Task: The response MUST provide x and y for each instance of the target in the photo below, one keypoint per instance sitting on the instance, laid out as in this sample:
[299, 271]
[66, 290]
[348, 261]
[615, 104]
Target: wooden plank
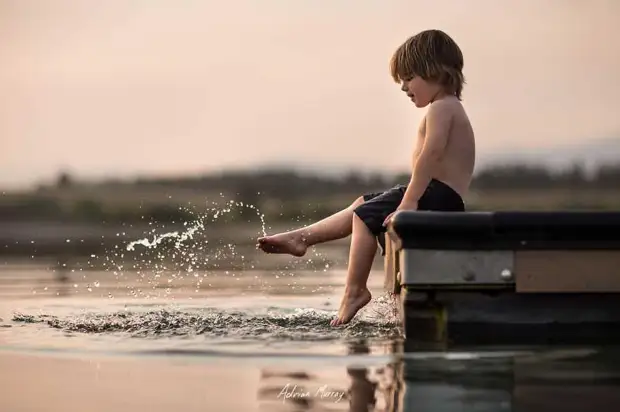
[567, 271]
[392, 267]
[389, 265]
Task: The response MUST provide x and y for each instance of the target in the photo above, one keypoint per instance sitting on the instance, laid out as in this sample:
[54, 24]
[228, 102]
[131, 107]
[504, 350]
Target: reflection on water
[362, 391]
[484, 381]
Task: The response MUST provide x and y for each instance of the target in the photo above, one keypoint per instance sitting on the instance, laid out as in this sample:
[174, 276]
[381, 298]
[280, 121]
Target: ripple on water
[273, 324]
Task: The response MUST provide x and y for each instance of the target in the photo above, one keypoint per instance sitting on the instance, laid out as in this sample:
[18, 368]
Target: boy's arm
[438, 122]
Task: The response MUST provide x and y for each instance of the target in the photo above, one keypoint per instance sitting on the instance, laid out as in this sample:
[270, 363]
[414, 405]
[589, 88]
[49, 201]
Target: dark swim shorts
[438, 196]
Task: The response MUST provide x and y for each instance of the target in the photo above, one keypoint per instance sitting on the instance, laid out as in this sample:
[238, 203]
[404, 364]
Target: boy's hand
[402, 206]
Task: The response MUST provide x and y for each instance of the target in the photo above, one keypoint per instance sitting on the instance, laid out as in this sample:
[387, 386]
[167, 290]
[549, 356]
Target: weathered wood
[391, 267]
[567, 271]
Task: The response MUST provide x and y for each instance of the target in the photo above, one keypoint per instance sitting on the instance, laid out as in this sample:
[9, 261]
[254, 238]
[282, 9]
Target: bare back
[456, 166]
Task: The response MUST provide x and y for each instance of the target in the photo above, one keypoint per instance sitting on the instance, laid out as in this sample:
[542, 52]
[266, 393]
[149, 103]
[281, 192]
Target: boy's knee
[357, 202]
[365, 220]
[361, 211]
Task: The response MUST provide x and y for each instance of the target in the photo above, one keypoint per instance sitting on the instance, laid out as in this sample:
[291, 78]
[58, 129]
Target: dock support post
[422, 314]
[391, 267]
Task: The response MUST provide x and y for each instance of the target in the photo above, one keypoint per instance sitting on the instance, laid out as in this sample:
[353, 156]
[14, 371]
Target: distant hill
[589, 154]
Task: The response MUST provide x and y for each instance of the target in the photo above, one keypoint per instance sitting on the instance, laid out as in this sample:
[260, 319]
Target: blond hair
[432, 55]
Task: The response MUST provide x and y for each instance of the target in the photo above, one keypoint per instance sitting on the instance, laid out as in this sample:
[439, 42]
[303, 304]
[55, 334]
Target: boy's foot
[352, 302]
[291, 243]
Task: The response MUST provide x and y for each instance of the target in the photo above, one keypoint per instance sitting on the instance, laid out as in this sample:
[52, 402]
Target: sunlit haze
[173, 87]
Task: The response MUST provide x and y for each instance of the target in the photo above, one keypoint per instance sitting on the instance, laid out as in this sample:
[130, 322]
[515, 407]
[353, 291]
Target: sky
[173, 87]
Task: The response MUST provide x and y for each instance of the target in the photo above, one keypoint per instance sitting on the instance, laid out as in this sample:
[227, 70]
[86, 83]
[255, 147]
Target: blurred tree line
[605, 177]
[288, 184]
[292, 192]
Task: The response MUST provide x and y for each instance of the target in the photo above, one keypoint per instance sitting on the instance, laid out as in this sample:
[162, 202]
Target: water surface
[258, 340]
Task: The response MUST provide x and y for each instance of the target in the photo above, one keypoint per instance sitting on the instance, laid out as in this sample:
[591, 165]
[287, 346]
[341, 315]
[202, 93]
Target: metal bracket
[424, 268]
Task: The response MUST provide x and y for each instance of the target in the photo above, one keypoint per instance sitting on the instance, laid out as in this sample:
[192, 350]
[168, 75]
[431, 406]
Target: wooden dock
[506, 276]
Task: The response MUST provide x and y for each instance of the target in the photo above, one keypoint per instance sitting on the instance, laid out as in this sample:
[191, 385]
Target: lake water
[258, 340]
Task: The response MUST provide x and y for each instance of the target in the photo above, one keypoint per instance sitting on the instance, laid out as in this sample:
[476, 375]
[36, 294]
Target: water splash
[198, 225]
[189, 256]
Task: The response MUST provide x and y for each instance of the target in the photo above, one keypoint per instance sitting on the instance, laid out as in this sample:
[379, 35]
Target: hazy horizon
[134, 88]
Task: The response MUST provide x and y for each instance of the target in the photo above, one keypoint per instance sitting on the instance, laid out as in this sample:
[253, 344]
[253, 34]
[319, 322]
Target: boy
[429, 67]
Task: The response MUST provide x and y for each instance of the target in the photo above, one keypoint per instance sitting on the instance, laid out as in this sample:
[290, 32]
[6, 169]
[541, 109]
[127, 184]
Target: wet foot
[291, 243]
[352, 301]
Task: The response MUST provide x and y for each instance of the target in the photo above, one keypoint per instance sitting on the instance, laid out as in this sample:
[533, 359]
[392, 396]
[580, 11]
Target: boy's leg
[296, 242]
[361, 256]
[367, 225]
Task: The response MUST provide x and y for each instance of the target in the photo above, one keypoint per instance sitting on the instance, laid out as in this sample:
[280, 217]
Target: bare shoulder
[444, 108]
[449, 111]
[441, 114]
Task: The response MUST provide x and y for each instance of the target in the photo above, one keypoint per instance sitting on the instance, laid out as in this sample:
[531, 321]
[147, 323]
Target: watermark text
[290, 392]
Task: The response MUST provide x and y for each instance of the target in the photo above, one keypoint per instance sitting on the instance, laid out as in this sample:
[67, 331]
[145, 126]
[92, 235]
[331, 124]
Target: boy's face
[420, 91]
